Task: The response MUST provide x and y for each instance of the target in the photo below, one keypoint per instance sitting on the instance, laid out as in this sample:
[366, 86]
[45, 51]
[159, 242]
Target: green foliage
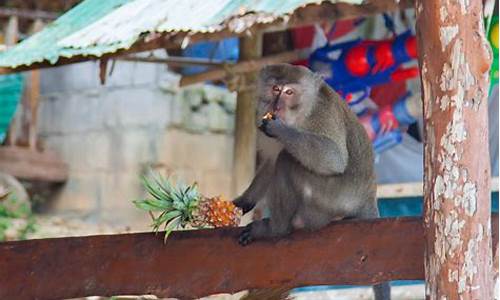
[174, 204]
[11, 210]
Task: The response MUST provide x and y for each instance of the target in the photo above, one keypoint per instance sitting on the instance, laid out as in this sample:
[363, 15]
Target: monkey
[317, 162]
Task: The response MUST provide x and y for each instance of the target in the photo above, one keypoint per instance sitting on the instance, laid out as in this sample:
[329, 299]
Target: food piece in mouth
[268, 116]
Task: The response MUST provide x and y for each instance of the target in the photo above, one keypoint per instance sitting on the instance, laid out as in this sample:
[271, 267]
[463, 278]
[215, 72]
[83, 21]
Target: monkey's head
[287, 91]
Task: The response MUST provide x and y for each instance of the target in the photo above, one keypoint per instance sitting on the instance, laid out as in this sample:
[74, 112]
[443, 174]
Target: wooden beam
[245, 66]
[6, 12]
[194, 264]
[454, 60]
[245, 133]
[27, 164]
[177, 61]
[303, 16]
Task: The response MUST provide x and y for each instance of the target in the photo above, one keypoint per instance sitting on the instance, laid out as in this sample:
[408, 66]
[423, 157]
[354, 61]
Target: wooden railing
[199, 263]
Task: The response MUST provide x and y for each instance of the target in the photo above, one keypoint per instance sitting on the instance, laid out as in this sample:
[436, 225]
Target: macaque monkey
[317, 160]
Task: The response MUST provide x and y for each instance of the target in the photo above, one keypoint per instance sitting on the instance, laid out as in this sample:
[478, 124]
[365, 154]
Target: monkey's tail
[382, 291]
[268, 294]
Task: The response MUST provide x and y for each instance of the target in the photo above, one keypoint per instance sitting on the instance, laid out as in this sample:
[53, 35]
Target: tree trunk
[454, 59]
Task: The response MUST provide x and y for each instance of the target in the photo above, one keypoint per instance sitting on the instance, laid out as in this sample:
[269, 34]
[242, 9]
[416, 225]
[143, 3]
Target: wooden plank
[454, 60]
[25, 163]
[413, 189]
[198, 263]
[303, 16]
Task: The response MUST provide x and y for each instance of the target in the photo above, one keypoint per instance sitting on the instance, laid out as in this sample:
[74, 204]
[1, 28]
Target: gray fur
[317, 164]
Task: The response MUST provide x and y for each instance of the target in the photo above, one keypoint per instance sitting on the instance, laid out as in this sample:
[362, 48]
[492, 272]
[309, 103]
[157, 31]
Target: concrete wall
[110, 134]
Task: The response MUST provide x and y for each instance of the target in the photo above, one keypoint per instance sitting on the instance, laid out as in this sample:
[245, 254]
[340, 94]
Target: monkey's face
[282, 100]
[287, 92]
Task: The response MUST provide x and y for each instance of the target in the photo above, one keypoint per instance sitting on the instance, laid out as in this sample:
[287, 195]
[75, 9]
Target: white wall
[109, 134]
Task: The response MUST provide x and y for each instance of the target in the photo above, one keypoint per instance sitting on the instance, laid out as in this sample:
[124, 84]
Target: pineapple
[181, 206]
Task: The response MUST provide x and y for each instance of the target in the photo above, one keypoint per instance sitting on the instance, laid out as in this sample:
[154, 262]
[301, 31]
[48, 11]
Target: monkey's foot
[246, 237]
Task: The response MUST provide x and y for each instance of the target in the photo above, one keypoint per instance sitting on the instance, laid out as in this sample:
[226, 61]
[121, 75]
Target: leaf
[164, 186]
[170, 227]
[151, 189]
[152, 204]
[166, 217]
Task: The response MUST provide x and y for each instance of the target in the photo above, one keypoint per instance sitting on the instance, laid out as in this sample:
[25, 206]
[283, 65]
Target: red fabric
[387, 119]
[303, 36]
[404, 74]
[388, 93]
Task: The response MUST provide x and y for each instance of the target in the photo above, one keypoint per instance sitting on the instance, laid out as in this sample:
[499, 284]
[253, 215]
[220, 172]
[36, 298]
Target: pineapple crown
[176, 204]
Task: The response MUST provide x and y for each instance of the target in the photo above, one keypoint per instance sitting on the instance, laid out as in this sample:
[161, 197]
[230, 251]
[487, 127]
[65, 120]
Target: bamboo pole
[454, 59]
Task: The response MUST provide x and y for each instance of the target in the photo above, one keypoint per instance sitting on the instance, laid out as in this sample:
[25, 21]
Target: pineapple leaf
[166, 217]
[153, 189]
[173, 224]
[190, 195]
[155, 225]
[152, 204]
[164, 185]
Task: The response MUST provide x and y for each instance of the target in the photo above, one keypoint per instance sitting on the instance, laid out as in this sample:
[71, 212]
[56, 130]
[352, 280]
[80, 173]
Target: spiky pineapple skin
[218, 212]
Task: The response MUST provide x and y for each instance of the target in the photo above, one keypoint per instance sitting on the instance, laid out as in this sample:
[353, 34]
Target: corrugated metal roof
[97, 27]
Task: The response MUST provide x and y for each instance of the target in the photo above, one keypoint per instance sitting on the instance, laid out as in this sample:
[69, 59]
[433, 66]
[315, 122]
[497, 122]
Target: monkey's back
[354, 190]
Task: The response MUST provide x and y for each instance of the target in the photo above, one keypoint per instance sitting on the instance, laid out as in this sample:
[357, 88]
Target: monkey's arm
[257, 189]
[316, 152]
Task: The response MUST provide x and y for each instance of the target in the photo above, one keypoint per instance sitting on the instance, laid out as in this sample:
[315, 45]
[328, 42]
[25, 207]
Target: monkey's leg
[282, 203]
[257, 189]
[278, 225]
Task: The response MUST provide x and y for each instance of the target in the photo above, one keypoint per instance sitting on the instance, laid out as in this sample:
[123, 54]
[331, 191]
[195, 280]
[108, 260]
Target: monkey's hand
[271, 127]
[244, 204]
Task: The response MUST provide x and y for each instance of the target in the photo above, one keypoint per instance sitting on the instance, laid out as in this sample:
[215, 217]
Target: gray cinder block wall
[110, 134]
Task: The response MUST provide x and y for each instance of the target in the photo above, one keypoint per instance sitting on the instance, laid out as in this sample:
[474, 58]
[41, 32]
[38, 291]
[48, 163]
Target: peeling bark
[455, 57]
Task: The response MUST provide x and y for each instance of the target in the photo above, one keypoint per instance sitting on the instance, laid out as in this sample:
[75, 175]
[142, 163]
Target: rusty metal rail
[198, 263]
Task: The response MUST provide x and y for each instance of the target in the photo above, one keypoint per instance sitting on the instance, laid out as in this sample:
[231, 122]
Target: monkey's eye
[276, 88]
[289, 92]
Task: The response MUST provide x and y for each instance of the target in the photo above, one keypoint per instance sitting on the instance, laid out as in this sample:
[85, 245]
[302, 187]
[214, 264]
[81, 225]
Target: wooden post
[31, 100]
[11, 38]
[454, 59]
[245, 130]
[34, 94]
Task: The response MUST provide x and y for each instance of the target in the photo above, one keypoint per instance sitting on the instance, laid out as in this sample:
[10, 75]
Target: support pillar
[454, 59]
[245, 129]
